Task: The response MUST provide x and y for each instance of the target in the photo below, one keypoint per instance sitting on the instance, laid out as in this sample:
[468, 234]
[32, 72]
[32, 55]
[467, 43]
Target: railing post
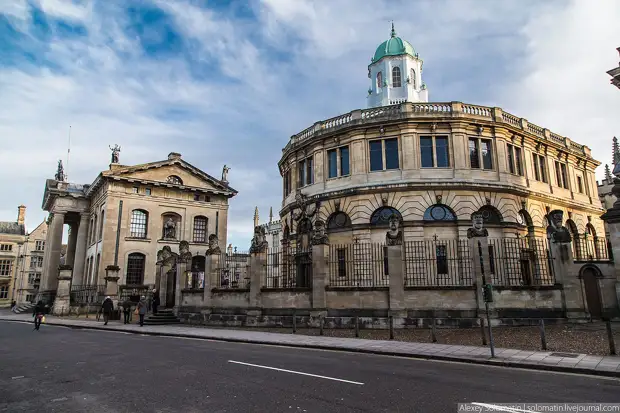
[543, 337]
[357, 326]
[294, 320]
[482, 332]
[391, 321]
[321, 325]
[433, 332]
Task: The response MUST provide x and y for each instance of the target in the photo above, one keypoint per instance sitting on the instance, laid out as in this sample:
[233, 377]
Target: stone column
[81, 246]
[396, 271]
[111, 278]
[62, 302]
[54, 246]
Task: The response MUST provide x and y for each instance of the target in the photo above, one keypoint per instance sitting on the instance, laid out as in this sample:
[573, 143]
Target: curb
[485, 362]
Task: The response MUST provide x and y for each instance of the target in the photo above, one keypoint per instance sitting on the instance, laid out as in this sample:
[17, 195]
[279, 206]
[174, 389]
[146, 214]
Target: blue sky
[228, 82]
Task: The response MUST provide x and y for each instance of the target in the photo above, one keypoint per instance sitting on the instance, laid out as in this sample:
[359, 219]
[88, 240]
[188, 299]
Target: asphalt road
[59, 369]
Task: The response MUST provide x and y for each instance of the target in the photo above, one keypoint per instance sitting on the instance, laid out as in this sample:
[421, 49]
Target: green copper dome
[394, 46]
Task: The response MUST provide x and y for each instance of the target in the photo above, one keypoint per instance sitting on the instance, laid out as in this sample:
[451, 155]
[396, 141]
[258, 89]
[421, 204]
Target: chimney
[21, 214]
[174, 155]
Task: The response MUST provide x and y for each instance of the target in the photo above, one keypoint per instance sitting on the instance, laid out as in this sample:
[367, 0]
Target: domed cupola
[395, 72]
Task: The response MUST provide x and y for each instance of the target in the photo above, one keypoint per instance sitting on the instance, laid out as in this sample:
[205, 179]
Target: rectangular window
[39, 245]
[441, 258]
[4, 291]
[474, 153]
[196, 197]
[564, 170]
[147, 191]
[535, 165]
[384, 154]
[539, 168]
[561, 175]
[6, 247]
[518, 161]
[309, 172]
[511, 159]
[338, 162]
[487, 156]
[514, 160]
[135, 189]
[200, 229]
[580, 184]
[426, 152]
[5, 268]
[543, 170]
[305, 172]
[342, 263]
[442, 151]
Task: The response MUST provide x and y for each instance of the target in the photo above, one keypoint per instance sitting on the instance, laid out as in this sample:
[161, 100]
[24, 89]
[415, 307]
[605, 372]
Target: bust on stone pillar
[214, 246]
[259, 241]
[394, 236]
[558, 233]
[477, 229]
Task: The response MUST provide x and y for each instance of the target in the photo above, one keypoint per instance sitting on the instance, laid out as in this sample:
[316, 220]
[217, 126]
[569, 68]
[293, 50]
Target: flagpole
[68, 155]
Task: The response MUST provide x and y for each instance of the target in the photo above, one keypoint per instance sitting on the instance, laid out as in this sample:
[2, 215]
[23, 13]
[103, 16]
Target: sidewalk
[537, 360]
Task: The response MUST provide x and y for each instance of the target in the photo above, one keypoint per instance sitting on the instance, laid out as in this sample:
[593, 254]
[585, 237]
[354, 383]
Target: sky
[228, 82]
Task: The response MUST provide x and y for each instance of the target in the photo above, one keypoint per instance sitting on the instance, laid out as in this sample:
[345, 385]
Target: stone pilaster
[62, 302]
[396, 276]
[566, 273]
[111, 286]
[479, 250]
[55, 245]
[320, 254]
[180, 283]
[80, 251]
[212, 265]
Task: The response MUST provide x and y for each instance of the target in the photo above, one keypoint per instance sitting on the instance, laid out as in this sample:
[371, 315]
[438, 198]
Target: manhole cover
[564, 355]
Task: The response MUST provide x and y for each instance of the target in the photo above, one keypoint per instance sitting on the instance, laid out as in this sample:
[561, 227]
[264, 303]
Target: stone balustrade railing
[408, 110]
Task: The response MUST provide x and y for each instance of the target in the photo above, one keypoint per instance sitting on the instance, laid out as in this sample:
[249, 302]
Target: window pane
[391, 154]
[137, 227]
[396, 77]
[344, 161]
[376, 156]
[536, 166]
[558, 176]
[441, 255]
[580, 185]
[301, 170]
[511, 159]
[332, 163]
[135, 269]
[487, 160]
[200, 229]
[543, 171]
[309, 172]
[518, 161]
[443, 152]
[426, 152]
[474, 160]
[564, 175]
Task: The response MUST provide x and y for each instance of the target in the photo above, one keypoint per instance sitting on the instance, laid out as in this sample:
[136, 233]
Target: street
[59, 369]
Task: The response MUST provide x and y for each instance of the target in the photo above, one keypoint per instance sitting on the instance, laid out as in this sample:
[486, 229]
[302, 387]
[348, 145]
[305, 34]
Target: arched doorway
[590, 275]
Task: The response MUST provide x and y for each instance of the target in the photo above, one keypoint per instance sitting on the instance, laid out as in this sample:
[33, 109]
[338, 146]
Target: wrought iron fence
[86, 294]
[358, 265]
[288, 267]
[589, 248]
[430, 263]
[520, 262]
[134, 292]
[234, 270]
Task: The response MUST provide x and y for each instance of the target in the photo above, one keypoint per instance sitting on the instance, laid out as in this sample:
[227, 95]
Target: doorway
[171, 287]
[593, 294]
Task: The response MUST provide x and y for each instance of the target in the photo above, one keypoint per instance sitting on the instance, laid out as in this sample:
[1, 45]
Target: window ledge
[137, 239]
[168, 241]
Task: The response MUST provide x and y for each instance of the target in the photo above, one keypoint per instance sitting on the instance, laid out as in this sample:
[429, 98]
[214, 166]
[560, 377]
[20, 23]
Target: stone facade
[127, 216]
[28, 276]
[12, 239]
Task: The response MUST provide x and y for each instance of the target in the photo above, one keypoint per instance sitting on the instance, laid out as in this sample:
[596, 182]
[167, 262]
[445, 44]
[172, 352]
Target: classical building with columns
[124, 217]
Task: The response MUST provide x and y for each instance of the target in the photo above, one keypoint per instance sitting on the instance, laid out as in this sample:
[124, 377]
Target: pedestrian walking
[38, 313]
[126, 311]
[13, 305]
[155, 301]
[142, 306]
[106, 308]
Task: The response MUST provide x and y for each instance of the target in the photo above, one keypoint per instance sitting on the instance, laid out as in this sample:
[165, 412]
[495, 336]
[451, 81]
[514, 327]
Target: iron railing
[86, 294]
[520, 262]
[234, 271]
[288, 267]
[590, 248]
[134, 292]
[358, 265]
[431, 263]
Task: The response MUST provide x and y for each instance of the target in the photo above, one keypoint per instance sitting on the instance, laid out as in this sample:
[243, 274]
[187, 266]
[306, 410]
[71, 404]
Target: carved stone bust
[165, 256]
[214, 246]
[259, 241]
[394, 236]
[558, 233]
[319, 237]
[184, 252]
[477, 229]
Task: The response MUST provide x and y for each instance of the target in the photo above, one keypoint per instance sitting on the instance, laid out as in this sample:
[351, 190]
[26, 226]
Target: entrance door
[593, 297]
[171, 287]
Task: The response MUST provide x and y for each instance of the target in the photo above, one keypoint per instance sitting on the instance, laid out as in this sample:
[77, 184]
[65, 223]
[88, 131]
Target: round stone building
[433, 165]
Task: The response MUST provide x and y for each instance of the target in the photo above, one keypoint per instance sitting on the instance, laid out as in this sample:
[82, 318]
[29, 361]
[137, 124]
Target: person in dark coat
[106, 309]
[142, 309]
[126, 311]
[37, 313]
[155, 301]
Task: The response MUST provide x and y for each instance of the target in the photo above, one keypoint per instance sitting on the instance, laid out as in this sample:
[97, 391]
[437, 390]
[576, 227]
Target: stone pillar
[612, 219]
[320, 256]
[481, 265]
[396, 271]
[54, 246]
[70, 257]
[212, 266]
[62, 302]
[258, 267]
[111, 287]
[81, 246]
[180, 283]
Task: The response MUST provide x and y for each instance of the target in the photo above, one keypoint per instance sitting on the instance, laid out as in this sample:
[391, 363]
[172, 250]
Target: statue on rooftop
[115, 153]
[60, 172]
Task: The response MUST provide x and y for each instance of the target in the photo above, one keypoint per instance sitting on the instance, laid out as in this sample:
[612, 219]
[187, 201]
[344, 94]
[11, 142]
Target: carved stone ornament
[488, 200]
[480, 129]
[184, 253]
[165, 256]
[557, 232]
[384, 199]
[394, 236]
[337, 205]
[438, 199]
[319, 237]
[259, 241]
[477, 229]
[214, 246]
[433, 126]
[170, 229]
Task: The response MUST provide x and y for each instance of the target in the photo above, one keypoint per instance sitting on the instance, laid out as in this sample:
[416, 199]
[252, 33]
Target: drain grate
[570, 355]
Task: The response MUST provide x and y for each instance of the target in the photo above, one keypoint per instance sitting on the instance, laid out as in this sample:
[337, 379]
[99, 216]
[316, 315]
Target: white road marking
[296, 372]
[62, 399]
[17, 377]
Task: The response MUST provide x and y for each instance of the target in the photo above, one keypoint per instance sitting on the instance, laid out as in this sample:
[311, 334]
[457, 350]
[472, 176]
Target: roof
[12, 228]
[394, 46]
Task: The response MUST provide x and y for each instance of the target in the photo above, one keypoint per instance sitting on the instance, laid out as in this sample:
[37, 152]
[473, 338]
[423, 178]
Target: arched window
[135, 269]
[396, 82]
[439, 213]
[382, 216]
[490, 215]
[414, 81]
[173, 179]
[379, 81]
[338, 220]
[139, 221]
[101, 225]
[96, 271]
[200, 229]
